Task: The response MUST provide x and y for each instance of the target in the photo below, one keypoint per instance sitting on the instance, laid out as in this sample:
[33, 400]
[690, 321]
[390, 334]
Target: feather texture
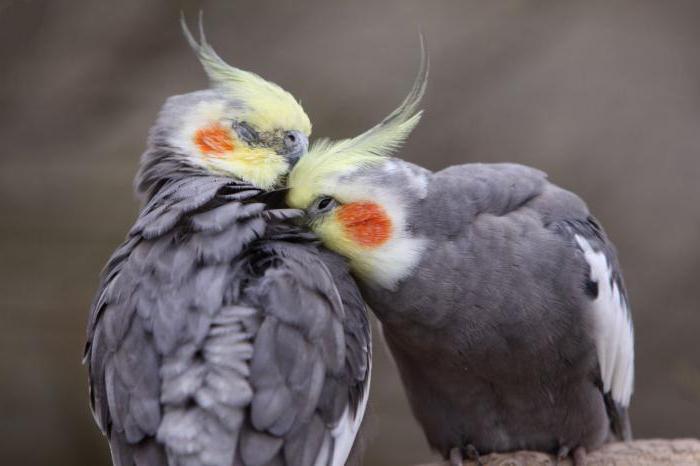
[222, 333]
[515, 315]
[326, 159]
[613, 327]
[273, 106]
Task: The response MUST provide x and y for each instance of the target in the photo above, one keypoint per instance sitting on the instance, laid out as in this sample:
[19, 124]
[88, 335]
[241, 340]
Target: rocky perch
[678, 452]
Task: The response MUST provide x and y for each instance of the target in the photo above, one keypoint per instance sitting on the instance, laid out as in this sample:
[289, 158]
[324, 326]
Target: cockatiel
[500, 296]
[222, 334]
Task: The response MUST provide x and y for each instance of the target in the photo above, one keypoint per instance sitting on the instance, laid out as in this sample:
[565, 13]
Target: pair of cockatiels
[224, 334]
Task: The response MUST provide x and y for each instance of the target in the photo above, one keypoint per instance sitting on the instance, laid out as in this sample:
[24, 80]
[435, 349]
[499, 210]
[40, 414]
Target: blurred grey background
[603, 95]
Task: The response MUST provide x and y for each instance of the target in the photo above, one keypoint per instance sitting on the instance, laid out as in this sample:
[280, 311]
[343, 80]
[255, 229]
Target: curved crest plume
[386, 137]
[267, 104]
[327, 157]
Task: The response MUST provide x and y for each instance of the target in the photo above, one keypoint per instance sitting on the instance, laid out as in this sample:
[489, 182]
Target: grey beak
[301, 147]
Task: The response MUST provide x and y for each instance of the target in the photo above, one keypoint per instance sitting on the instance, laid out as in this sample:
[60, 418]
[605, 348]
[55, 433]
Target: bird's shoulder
[487, 188]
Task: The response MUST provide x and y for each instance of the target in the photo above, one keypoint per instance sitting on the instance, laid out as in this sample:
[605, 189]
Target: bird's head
[243, 126]
[356, 196]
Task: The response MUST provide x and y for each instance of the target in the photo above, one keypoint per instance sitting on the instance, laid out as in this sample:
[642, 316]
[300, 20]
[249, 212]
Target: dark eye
[325, 203]
[245, 132]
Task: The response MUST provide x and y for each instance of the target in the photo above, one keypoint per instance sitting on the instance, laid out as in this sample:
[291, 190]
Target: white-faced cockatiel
[500, 296]
[222, 334]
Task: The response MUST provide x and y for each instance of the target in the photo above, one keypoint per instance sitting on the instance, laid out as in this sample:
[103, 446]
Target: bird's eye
[325, 204]
[245, 131]
[290, 138]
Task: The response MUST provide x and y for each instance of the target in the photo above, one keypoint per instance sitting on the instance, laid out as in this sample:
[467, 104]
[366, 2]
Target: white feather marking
[325, 451]
[345, 431]
[614, 335]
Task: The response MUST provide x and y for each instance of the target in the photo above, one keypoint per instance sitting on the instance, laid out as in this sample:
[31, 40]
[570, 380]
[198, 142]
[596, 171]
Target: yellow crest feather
[328, 158]
[267, 105]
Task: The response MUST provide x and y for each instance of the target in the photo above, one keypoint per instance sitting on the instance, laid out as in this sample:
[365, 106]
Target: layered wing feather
[611, 317]
[219, 335]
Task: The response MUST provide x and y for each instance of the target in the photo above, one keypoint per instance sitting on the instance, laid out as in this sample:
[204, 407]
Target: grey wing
[168, 345]
[358, 361]
[493, 188]
[511, 189]
[123, 370]
[310, 367]
[611, 316]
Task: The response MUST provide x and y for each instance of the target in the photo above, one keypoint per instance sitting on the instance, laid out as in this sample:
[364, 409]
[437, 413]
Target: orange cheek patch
[214, 140]
[365, 222]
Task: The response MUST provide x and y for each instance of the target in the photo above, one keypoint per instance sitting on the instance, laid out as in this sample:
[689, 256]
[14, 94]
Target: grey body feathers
[221, 333]
[492, 331]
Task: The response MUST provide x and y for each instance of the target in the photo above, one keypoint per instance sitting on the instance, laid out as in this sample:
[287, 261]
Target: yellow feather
[260, 166]
[267, 105]
[336, 239]
[327, 159]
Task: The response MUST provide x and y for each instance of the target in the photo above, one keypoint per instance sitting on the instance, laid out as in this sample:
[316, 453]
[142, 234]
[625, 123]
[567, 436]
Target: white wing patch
[324, 452]
[346, 430]
[614, 335]
[343, 434]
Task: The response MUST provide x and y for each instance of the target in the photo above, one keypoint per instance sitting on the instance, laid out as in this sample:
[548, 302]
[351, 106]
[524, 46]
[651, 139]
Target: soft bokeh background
[603, 95]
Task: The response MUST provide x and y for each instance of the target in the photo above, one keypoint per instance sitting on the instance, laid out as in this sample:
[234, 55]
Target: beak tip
[301, 148]
[293, 159]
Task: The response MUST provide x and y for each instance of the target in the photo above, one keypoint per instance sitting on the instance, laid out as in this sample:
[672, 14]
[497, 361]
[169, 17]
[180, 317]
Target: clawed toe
[456, 457]
[473, 455]
[562, 454]
[580, 456]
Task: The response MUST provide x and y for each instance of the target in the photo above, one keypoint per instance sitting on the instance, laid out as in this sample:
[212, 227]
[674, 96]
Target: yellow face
[343, 214]
[276, 120]
[359, 219]
[353, 212]
[214, 139]
[353, 229]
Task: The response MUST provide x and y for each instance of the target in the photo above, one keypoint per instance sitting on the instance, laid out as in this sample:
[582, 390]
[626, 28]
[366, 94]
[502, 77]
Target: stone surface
[656, 452]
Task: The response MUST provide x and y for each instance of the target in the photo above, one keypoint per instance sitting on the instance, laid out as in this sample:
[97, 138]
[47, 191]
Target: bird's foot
[562, 454]
[457, 455]
[456, 458]
[473, 454]
[580, 456]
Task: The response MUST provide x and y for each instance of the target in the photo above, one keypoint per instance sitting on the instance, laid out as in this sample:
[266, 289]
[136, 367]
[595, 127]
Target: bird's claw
[473, 454]
[578, 455]
[562, 454]
[456, 458]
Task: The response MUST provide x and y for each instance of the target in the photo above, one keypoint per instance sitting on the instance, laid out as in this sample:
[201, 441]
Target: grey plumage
[222, 333]
[500, 298]
[491, 331]
[206, 351]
